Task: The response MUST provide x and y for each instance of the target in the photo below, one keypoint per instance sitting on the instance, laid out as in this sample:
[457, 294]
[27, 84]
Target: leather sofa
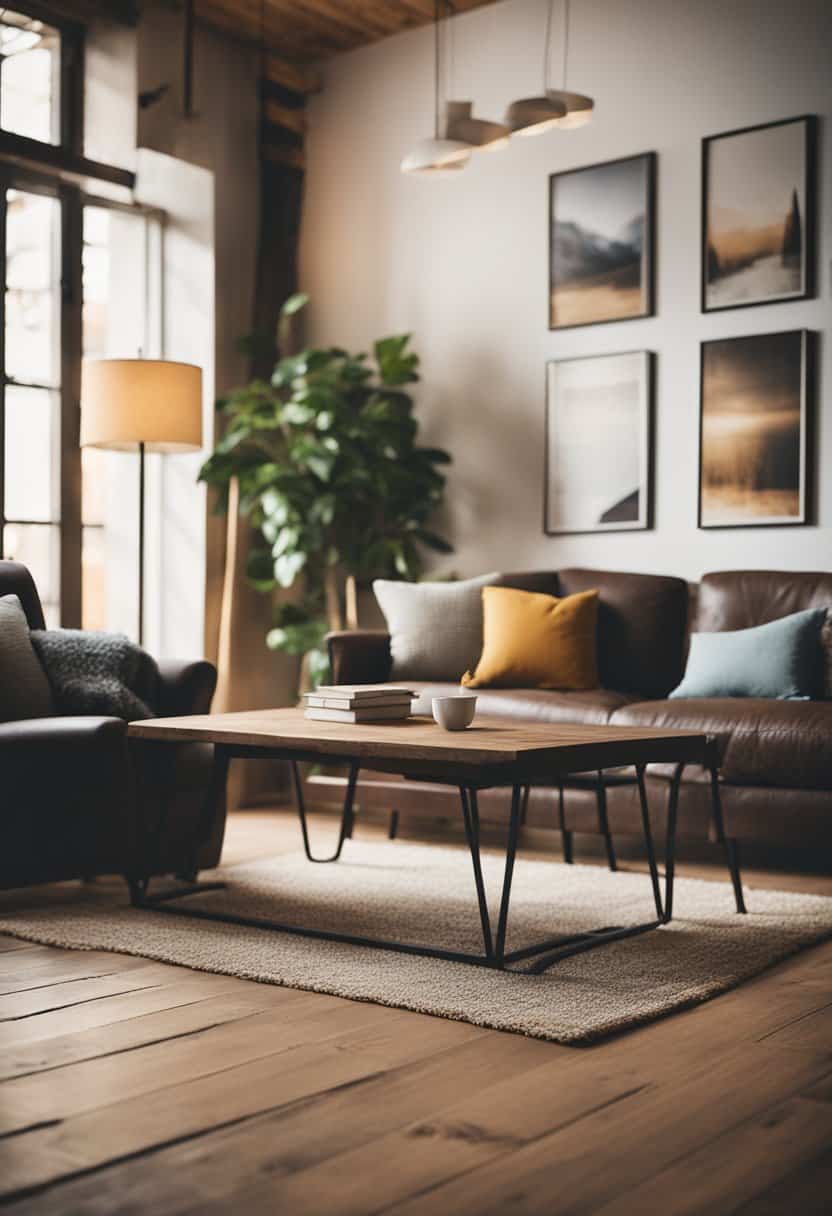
[775, 756]
[78, 801]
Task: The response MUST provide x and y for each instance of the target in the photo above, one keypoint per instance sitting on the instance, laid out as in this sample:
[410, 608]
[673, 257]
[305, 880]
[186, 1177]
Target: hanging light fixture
[579, 107]
[479, 133]
[441, 151]
[534, 115]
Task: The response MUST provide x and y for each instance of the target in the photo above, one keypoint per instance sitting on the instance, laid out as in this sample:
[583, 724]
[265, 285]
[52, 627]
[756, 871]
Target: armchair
[77, 801]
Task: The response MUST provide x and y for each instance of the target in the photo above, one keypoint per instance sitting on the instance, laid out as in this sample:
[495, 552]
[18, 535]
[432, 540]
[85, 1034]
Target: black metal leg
[670, 841]
[729, 844]
[393, 825]
[471, 820]
[648, 841]
[603, 822]
[565, 834]
[346, 814]
[511, 852]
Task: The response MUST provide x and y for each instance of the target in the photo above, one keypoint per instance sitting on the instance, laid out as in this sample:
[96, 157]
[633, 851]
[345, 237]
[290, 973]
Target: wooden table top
[489, 741]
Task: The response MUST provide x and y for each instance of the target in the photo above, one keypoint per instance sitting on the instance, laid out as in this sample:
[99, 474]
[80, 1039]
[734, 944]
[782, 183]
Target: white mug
[454, 713]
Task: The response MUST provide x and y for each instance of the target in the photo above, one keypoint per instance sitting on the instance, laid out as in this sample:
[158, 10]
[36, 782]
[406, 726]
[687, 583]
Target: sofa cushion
[760, 742]
[593, 707]
[738, 599]
[642, 621]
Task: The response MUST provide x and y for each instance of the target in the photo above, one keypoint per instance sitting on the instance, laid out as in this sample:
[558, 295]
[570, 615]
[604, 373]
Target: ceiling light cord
[565, 41]
[547, 45]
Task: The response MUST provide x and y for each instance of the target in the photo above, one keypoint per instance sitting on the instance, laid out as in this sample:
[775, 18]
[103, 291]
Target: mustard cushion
[537, 641]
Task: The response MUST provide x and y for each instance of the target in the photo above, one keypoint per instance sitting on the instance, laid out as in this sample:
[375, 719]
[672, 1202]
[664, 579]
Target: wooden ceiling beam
[309, 30]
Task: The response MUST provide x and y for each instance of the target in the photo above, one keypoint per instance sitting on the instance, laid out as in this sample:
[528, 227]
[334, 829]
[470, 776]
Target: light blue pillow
[781, 659]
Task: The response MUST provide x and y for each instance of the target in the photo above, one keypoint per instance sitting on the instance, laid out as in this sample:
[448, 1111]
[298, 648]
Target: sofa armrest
[185, 687]
[359, 656]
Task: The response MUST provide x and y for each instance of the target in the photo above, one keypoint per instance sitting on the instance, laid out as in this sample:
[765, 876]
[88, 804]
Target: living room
[415, 448]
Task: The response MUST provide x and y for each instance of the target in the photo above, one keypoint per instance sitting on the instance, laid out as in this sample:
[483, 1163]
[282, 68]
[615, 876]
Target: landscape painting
[753, 430]
[599, 444]
[601, 242]
[757, 215]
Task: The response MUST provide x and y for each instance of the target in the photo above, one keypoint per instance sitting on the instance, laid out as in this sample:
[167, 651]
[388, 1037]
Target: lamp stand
[141, 544]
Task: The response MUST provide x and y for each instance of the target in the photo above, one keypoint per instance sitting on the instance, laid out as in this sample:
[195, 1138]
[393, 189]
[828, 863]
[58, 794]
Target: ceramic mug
[454, 713]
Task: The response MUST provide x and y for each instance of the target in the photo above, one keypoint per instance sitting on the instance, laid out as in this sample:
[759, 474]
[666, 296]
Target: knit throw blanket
[92, 672]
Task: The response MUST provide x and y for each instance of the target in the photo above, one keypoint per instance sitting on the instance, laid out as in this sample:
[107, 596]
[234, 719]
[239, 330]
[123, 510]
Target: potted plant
[332, 477]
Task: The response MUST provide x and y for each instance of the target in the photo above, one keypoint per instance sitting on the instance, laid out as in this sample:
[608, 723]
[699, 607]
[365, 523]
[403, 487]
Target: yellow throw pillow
[537, 641]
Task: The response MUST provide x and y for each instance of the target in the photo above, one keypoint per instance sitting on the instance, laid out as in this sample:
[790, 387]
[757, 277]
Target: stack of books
[358, 703]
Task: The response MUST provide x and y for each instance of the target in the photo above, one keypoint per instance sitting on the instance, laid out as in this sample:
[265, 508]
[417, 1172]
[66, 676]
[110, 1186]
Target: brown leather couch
[775, 756]
[77, 801]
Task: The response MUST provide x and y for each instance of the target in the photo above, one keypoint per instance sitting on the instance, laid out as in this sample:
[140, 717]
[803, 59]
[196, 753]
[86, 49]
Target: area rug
[423, 893]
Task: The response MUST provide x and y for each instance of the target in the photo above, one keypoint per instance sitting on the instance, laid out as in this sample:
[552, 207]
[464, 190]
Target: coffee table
[494, 752]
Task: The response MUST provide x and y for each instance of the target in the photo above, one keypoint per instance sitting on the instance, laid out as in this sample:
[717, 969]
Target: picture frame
[756, 430]
[599, 444]
[759, 214]
[602, 221]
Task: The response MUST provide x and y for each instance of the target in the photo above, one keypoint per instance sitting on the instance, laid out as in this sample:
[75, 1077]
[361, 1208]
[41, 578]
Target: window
[82, 278]
[31, 498]
[30, 77]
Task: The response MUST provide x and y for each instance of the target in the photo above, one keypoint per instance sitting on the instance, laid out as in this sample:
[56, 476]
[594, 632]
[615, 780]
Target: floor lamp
[149, 405]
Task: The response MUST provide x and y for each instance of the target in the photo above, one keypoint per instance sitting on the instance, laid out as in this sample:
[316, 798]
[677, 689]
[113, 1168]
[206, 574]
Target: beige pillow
[435, 628]
[24, 688]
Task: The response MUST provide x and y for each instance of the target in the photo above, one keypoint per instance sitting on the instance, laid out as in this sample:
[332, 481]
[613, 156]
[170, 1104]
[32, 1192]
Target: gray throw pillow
[435, 628]
[780, 659]
[93, 672]
[24, 688]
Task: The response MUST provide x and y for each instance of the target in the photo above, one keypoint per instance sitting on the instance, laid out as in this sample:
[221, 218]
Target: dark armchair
[76, 800]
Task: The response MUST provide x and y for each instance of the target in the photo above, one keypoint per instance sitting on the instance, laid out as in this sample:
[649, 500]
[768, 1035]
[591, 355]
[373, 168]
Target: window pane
[37, 546]
[110, 540]
[32, 455]
[33, 297]
[115, 288]
[30, 78]
[93, 581]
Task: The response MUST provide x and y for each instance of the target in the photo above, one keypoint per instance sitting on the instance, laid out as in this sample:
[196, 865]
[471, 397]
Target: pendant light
[534, 115]
[579, 107]
[479, 133]
[439, 152]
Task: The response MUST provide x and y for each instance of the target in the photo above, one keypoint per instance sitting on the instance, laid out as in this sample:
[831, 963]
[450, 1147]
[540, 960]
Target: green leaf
[287, 567]
[294, 304]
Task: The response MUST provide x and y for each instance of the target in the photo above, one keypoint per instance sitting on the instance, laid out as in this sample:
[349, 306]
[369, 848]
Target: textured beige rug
[422, 893]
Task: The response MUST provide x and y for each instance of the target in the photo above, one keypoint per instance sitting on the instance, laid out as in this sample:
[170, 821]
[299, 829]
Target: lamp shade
[534, 115]
[579, 108]
[126, 402]
[436, 154]
[480, 133]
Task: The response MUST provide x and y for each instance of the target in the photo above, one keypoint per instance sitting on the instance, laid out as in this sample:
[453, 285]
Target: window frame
[62, 172]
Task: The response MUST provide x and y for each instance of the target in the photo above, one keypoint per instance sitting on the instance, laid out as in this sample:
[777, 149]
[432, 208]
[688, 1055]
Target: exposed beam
[297, 77]
[282, 116]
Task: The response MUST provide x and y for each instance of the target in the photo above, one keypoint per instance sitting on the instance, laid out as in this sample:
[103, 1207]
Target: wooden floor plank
[77, 1088]
[212, 1168]
[31, 1162]
[805, 1190]
[736, 1166]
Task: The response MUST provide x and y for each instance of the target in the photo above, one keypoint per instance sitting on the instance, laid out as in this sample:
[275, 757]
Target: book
[363, 692]
[382, 713]
[314, 701]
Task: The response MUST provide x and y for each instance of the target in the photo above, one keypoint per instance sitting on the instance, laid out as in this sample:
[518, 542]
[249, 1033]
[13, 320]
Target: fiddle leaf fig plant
[332, 477]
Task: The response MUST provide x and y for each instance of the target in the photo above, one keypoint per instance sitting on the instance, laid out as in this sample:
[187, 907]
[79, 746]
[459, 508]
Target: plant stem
[333, 598]
[351, 597]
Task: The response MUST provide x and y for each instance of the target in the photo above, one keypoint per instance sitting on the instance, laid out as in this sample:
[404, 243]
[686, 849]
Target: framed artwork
[601, 221]
[758, 193]
[754, 430]
[599, 444]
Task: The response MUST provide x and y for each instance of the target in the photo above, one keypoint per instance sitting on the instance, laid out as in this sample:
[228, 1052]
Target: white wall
[462, 261]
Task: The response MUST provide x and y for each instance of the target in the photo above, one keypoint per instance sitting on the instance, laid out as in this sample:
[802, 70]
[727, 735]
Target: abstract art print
[753, 430]
[599, 414]
[757, 215]
[601, 242]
